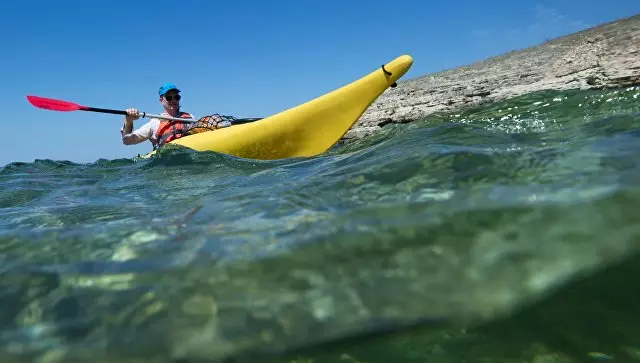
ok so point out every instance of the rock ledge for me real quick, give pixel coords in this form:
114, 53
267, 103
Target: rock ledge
605, 56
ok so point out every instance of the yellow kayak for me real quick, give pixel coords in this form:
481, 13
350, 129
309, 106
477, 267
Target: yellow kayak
305, 130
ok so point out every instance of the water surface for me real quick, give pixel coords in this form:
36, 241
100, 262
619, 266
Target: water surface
503, 233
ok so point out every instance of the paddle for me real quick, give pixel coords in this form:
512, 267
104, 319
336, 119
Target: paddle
66, 106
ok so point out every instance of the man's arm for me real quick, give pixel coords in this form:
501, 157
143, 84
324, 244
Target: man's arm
132, 138
127, 127
142, 134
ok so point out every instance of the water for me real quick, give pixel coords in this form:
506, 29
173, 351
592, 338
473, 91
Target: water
504, 233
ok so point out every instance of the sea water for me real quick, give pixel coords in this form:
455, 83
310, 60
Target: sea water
504, 233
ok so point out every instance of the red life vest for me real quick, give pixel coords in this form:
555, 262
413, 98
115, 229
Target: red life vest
170, 130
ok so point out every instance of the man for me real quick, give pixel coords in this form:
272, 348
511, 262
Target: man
157, 131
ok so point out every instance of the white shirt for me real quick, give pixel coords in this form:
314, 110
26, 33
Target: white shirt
143, 133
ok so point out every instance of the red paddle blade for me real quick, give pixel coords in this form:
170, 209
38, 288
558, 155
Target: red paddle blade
55, 105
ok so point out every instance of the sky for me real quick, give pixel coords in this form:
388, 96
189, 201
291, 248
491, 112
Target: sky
241, 58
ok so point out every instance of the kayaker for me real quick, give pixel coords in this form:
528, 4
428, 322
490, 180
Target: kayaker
157, 131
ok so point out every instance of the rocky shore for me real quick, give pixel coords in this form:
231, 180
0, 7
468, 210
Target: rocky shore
604, 56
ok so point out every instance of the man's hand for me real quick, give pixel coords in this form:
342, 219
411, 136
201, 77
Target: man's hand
132, 114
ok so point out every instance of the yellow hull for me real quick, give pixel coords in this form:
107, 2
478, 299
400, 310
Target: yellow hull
305, 130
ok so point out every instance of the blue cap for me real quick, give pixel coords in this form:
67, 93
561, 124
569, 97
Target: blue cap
166, 88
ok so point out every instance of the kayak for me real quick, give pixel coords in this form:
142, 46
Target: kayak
305, 130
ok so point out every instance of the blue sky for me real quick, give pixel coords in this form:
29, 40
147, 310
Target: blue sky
241, 58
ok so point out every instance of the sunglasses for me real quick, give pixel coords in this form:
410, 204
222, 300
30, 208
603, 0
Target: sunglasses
170, 98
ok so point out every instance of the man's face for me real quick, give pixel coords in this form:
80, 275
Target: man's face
171, 100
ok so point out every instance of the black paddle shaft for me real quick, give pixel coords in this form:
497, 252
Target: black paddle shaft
120, 112
105, 110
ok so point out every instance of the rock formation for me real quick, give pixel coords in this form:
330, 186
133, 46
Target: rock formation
604, 56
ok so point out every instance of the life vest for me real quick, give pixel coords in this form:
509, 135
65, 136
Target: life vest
170, 130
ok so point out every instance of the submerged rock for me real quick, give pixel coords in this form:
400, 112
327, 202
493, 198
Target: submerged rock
600, 57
